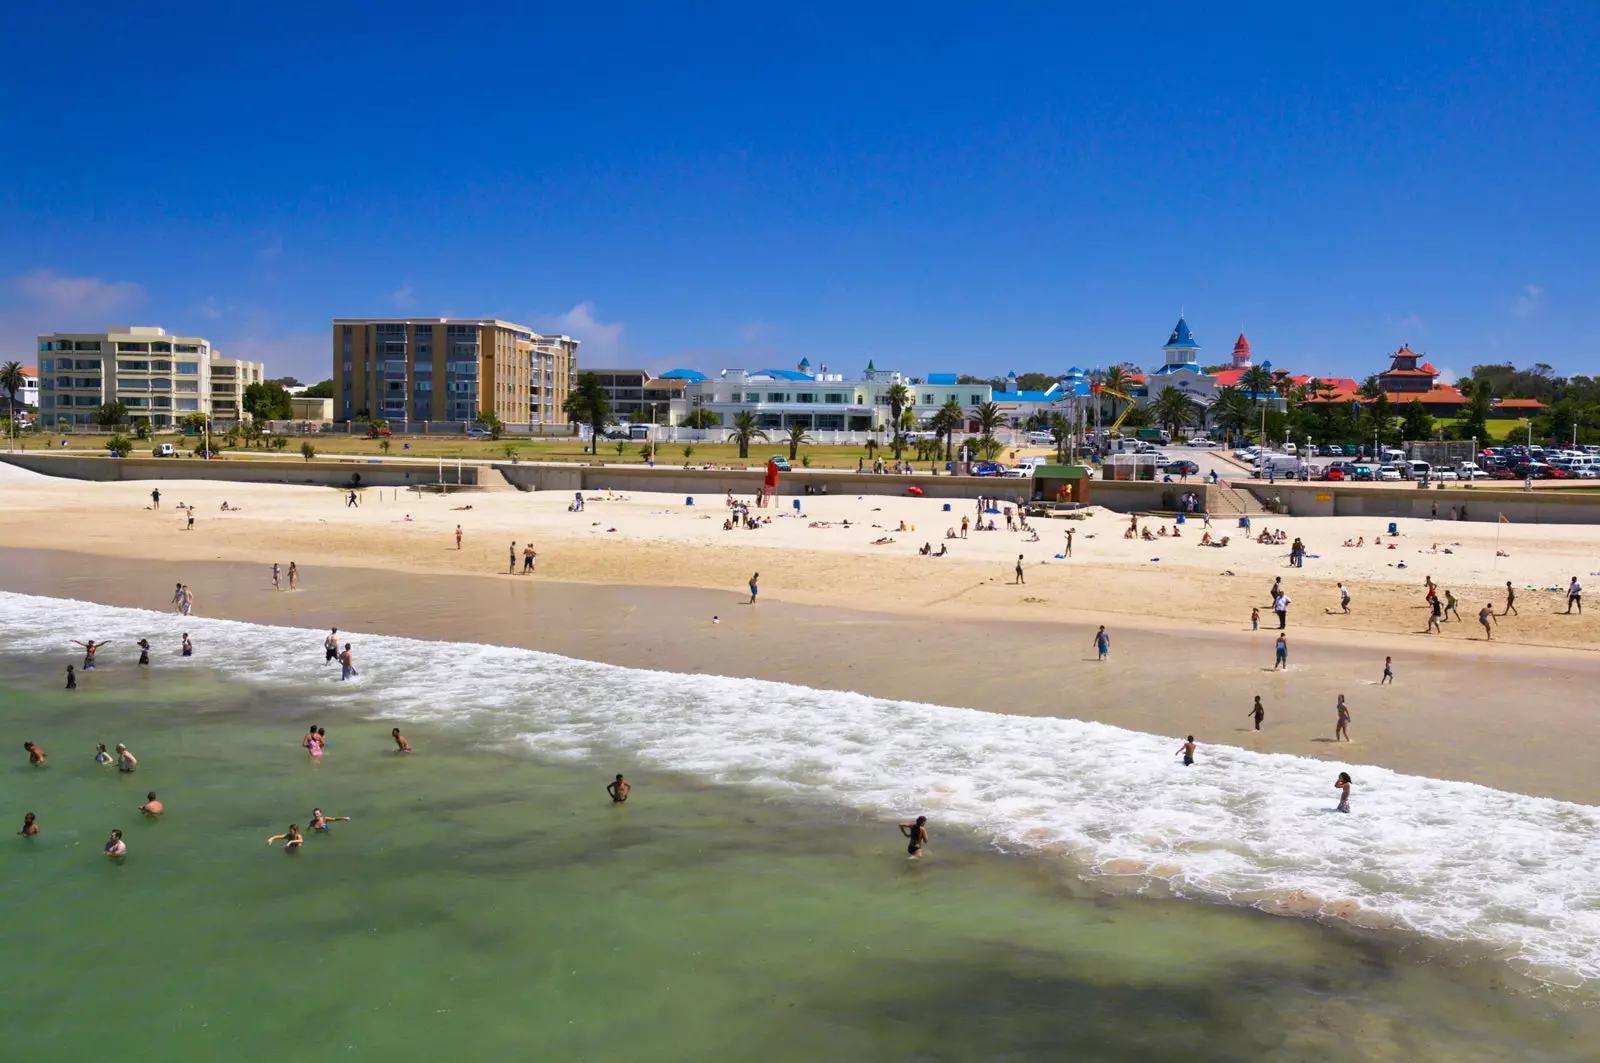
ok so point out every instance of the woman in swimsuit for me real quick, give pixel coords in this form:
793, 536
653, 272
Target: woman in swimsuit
30, 826
144, 651
36, 756
314, 747
188, 647
291, 838
1343, 786
101, 756
294, 575
320, 822
89, 649
917, 833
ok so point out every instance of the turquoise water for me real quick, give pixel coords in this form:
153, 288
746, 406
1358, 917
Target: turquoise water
489, 901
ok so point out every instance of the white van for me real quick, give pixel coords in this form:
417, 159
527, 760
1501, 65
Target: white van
165, 450
1415, 470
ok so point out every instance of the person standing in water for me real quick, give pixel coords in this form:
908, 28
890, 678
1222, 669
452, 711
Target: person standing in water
1343, 784
30, 826
400, 743
1187, 751
1102, 643
511, 563
1388, 671
319, 822
754, 579
126, 761
36, 756
1258, 712
918, 834
116, 848
291, 838
618, 789
188, 647
294, 575
275, 577
144, 652
101, 757
72, 678
1280, 658
330, 645
151, 806
89, 650
347, 663
1342, 728
177, 597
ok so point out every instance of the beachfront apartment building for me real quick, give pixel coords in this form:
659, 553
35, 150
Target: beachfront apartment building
229, 378
822, 401
450, 369
156, 376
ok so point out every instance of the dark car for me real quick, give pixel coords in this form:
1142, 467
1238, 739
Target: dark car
988, 468
1181, 467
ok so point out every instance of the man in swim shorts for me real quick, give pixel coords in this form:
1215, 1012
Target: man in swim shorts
753, 588
618, 789
151, 806
330, 646
1102, 643
1486, 618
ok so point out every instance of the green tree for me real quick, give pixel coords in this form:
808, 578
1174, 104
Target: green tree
588, 405
491, 421
280, 442
1369, 387
946, 422
899, 397
621, 445
871, 447
1061, 432
383, 445
797, 436
267, 402
1115, 379
1232, 410
688, 452
647, 453
110, 414
745, 429
11, 379
1416, 423
989, 419
119, 445
321, 390
1559, 422
141, 428
307, 451
701, 418
193, 422
1173, 409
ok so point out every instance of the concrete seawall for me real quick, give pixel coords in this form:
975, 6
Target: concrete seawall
323, 472
1482, 504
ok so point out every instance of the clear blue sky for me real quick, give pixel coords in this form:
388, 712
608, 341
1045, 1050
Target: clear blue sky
930, 187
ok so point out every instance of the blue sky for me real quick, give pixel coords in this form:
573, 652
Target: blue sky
931, 187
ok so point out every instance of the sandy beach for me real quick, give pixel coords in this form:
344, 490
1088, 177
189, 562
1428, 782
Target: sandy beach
837, 612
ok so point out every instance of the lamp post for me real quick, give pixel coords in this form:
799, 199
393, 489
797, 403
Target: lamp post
653, 434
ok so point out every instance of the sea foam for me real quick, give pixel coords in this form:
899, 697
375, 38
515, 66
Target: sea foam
1454, 860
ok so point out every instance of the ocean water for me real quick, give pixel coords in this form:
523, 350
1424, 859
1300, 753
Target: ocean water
753, 899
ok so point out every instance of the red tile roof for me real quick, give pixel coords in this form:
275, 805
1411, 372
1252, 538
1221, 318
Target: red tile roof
1507, 404
1439, 395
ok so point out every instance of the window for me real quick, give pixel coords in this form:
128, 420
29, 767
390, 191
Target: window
132, 384
136, 402
775, 396
85, 363
161, 367
188, 369
190, 386
164, 348
84, 345
188, 405
835, 397
86, 400
975, 400
186, 348
132, 367
162, 401
424, 385
145, 347
805, 396
46, 365
160, 383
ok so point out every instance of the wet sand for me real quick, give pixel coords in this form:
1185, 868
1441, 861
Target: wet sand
1515, 720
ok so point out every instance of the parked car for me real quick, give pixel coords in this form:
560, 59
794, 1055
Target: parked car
988, 468
1440, 473
1388, 472
1202, 441
1181, 467
477, 433
1471, 472
1364, 472
165, 450
780, 461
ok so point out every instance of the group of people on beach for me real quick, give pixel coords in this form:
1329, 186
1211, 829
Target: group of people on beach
294, 577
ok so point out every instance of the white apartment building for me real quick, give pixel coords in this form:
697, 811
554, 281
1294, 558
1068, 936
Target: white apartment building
28, 395
823, 401
155, 375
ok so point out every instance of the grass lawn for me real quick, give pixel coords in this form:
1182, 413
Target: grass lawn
1499, 428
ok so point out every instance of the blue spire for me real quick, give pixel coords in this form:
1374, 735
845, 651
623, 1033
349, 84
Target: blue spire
1181, 338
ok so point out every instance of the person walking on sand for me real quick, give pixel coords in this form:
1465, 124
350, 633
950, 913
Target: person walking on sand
189, 525
530, 557
963, 527
754, 590
188, 601
177, 597
918, 834
1019, 578
1344, 598
294, 575
1435, 611
1342, 728
1255, 619
1511, 600
1280, 605
458, 536
1102, 643
1343, 786
618, 789
1450, 606
155, 498
1280, 657
1258, 712
275, 577
1187, 751
1574, 596
1069, 542
1486, 618
1388, 672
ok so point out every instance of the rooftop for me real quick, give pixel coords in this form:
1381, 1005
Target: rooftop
1181, 338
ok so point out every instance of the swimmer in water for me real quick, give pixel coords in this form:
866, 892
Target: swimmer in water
35, 754
30, 826
1343, 785
918, 834
116, 848
400, 743
89, 649
188, 647
126, 761
151, 806
100, 754
320, 822
72, 678
291, 838
347, 663
144, 651
314, 746
330, 646
618, 789
1187, 750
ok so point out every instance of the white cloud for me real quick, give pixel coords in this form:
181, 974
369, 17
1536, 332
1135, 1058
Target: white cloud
752, 331
211, 309
306, 355
401, 297
602, 340
1529, 301
78, 297
1448, 376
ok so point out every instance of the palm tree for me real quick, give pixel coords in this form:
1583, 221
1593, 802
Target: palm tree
588, 405
947, 422
899, 397
989, 418
797, 436
746, 428
1061, 431
1174, 409
11, 379
1257, 383
1115, 379
1232, 410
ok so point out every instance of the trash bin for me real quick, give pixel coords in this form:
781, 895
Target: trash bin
689, 501
947, 507
797, 505
1394, 528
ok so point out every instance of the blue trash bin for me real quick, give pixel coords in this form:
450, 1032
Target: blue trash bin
689, 501
1394, 528
947, 507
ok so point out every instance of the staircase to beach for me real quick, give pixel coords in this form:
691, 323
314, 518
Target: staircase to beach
1225, 500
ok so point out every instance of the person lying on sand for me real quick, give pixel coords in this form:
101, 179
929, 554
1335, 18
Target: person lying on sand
885, 541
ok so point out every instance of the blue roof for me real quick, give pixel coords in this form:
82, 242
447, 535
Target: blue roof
694, 376
1189, 368
1034, 396
941, 379
805, 363
782, 374
1181, 337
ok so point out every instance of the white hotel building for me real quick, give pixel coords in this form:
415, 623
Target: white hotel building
822, 401
157, 376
